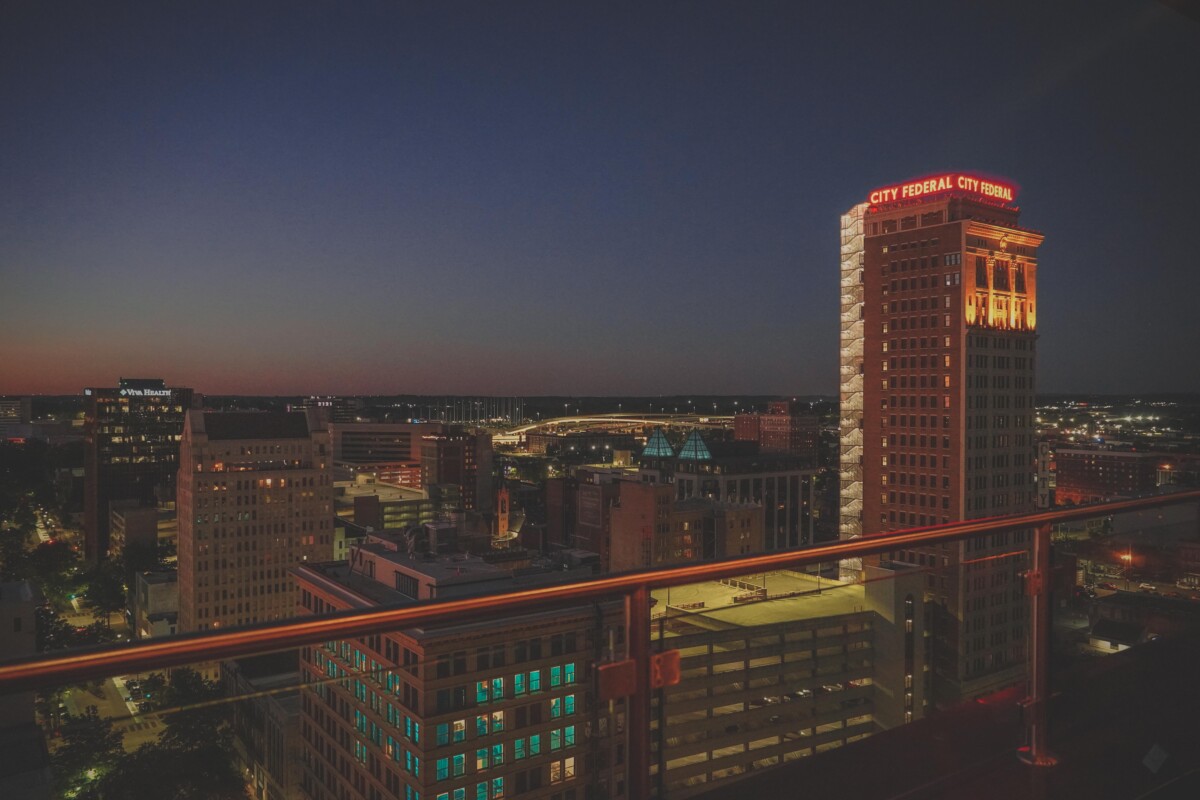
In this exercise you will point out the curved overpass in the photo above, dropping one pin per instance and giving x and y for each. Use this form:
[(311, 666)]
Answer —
[(595, 420)]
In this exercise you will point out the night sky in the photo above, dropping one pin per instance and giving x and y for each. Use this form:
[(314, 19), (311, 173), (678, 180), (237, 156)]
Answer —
[(566, 198)]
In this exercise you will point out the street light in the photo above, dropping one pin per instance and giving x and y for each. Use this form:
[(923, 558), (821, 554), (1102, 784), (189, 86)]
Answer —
[(1128, 559)]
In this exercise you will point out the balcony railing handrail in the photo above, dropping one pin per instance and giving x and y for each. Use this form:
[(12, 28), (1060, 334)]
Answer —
[(81, 665)]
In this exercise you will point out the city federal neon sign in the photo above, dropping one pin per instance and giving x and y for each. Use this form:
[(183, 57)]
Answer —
[(944, 183)]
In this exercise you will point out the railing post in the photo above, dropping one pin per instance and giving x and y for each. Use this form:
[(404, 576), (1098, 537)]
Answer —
[(637, 628), (1036, 752)]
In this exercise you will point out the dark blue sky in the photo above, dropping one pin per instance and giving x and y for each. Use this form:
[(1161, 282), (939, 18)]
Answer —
[(564, 197)]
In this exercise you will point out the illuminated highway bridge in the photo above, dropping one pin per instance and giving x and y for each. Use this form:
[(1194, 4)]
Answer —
[(515, 435)]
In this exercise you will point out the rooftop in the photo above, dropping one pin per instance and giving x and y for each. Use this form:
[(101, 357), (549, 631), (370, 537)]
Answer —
[(255, 425)]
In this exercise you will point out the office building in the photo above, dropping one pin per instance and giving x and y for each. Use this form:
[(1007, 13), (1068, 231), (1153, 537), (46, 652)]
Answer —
[(780, 429), (782, 485), (380, 442), (131, 450), (938, 344), (131, 524), (265, 721), (649, 527), (329, 409), (16, 414), (254, 499), (1101, 473), (461, 459), (155, 604), (484, 708)]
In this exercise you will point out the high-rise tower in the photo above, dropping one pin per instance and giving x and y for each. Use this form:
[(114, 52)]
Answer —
[(254, 500), (939, 319), (131, 450)]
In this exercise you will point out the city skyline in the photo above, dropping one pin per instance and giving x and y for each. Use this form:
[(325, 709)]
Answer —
[(499, 203)]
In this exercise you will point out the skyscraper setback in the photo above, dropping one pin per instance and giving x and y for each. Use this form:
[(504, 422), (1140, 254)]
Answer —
[(938, 316)]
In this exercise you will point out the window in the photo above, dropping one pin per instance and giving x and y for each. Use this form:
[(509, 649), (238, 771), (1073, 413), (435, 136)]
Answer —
[(497, 787), (535, 744), (569, 673), (443, 769), (498, 753), (460, 730), (481, 725), (460, 764), (481, 691), (555, 676), (519, 684), (481, 759), (443, 734), (555, 739), (535, 680), (518, 749), (497, 720), (569, 736), (497, 689)]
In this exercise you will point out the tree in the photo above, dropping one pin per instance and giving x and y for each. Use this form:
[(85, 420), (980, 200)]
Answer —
[(52, 565), (105, 591), (198, 717), (203, 772), (89, 743), (196, 744)]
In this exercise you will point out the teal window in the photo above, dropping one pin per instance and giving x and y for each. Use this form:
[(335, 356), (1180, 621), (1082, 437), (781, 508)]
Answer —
[(497, 688), (460, 794), (443, 769), (519, 683), (497, 754), (569, 735), (481, 759), (460, 730), (460, 764), (481, 691), (569, 704), (555, 739), (481, 725), (555, 707), (535, 744), (569, 673), (497, 787), (443, 733), (518, 748), (481, 791), (535, 680)]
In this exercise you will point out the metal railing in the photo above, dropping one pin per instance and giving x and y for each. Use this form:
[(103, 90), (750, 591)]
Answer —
[(634, 587)]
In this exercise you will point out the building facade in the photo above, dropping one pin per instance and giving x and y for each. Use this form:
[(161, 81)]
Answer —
[(780, 429), (131, 450), (938, 346), (254, 499), (485, 709), (460, 459)]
